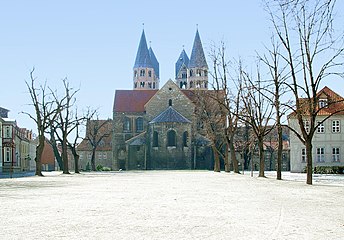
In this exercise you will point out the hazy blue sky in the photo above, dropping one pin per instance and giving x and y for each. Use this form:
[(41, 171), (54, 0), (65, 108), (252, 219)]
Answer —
[(94, 43)]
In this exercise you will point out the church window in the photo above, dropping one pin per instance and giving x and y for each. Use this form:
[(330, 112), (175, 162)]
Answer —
[(149, 85), (135, 73), (205, 73), (181, 85), (142, 73), (191, 84), (198, 73), (185, 139), (142, 84), (191, 73), (171, 138), (153, 85), (127, 124), (139, 124), (135, 85), (149, 73), (155, 139), (170, 102), (205, 85), (183, 75)]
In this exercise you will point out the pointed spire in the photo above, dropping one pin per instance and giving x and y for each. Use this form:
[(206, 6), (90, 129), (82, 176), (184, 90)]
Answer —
[(154, 61), (142, 56), (183, 59), (197, 58)]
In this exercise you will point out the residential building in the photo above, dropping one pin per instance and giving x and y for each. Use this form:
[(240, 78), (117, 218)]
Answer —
[(328, 140), (102, 132)]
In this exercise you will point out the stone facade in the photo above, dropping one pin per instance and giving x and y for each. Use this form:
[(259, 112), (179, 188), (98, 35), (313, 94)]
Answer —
[(157, 128), (152, 147)]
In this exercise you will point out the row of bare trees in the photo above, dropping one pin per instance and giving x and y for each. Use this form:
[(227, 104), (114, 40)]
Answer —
[(58, 117), (304, 51)]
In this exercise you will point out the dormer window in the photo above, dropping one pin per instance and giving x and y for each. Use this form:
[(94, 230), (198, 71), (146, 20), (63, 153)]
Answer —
[(323, 103), (142, 73), (149, 73), (135, 73)]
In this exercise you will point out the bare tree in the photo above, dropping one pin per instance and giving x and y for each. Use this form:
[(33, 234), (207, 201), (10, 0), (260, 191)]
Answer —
[(278, 74), (304, 29), (210, 114), (45, 110), (54, 145), (96, 131), (64, 122), (78, 121), (228, 98), (257, 113)]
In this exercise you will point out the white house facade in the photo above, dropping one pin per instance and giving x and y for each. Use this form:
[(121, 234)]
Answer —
[(328, 140)]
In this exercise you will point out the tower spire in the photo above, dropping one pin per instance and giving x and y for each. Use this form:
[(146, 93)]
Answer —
[(146, 66), (198, 67), (142, 56)]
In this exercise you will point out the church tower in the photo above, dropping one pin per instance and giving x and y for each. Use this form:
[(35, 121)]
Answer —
[(182, 69), (197, 77), (146, 67)]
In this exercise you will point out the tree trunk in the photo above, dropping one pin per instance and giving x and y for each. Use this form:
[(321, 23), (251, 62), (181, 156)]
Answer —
[(233, 155), (65, 156), (261, 158), (57, 155), (309, 167), (93, 162), (216, 159), (55, 149), (76, 163), (227, 163), (38, 159), (279, 151)]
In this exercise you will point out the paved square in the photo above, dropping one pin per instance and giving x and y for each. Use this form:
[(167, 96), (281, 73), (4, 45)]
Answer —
[(168, 205)]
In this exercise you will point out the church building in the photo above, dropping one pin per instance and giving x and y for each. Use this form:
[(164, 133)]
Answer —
[(157, 128)]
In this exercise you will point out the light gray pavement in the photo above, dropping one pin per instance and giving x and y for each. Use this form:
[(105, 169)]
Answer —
[(169, 205)]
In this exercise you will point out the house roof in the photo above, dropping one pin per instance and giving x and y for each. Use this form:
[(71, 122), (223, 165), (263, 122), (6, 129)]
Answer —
[(335, 103), (135, 100), (132, 100), (197, 58), (170, 115)]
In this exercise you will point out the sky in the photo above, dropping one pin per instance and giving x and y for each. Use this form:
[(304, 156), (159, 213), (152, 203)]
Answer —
[(94, 43)]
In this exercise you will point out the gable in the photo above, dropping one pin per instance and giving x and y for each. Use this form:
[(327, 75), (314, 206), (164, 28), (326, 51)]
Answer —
[(169, 93)]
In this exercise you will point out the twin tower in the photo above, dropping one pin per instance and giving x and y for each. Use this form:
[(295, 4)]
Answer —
[(190, 73)]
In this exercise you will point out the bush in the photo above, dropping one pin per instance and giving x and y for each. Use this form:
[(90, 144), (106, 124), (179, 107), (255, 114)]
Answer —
[(99, 167), (329, 169), (106, 169)]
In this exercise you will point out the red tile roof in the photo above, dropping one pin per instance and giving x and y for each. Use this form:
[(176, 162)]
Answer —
[(335, 103), (132, 100), (135, 100)]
